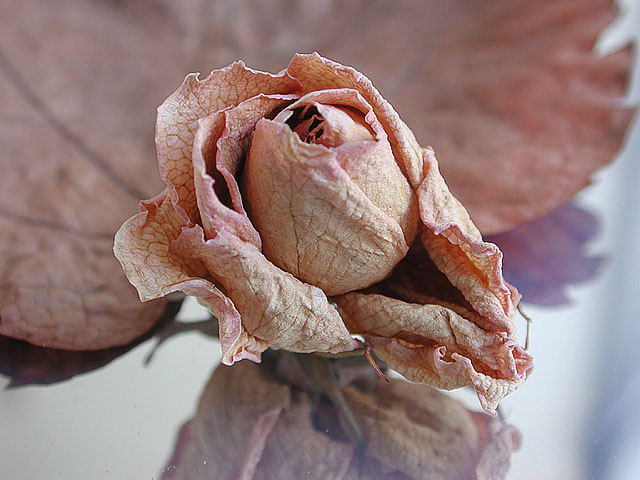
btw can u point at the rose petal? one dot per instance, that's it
(220, 143)
(330, 212)
(433, 344)
(274, 305)
(178, 117)
(142, 246)
(236, 414)
(367, 162)
(321, 457)
(417, 430)
(455, 246)
(317, 73)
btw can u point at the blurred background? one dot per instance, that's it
(516, 106)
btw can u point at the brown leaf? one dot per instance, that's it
(518, 109)
(493, 87)
(408, 431)
(26, 364)
(76, 154)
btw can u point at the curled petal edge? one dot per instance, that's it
(427, 365)
(456, 247)
(155, 272)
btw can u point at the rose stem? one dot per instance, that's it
(324, 375)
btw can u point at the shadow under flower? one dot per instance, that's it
(26, 364)
(544, 257)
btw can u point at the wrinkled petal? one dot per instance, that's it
(419, 431)
(317, 73)
(368, 161)
(456, 247)
(178, 117)
(220, 143)
(274, 305)
(142, 245)
(433, 344)
(314, 221)
(322, 457)
(236, 414)
(251, 426)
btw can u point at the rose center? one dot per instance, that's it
(329, 125)
(307, 123)
(327, 196)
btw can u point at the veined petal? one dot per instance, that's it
(274, 305)
(178, 117)
(314, 221)
(142, 246)
(435, 345)
(220, 143)
(317, 73)
(456, 247)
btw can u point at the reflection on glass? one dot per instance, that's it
(305, 416)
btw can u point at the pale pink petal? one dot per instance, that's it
(370, 164)
(275, 306)
(178, 117)
(308, 451)
(220, 143)
(313, 219)
(143, 247)
(455, 246)
(254, 424)
(435, 345)
(317, 73)
(236, 415)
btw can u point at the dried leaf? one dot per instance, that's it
(80, 82)
(26, 364)
(75, 159)
(409, 431)
(510, 93)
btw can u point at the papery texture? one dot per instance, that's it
(61, 201)
(492, 86)
(24, 364)
(274, 431)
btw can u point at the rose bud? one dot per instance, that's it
(300, 210)
(327, 195)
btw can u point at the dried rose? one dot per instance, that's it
(285, 189)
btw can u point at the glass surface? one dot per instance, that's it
(577, 412)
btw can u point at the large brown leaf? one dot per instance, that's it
(517, 108)
(25, 364)
(76, 154)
